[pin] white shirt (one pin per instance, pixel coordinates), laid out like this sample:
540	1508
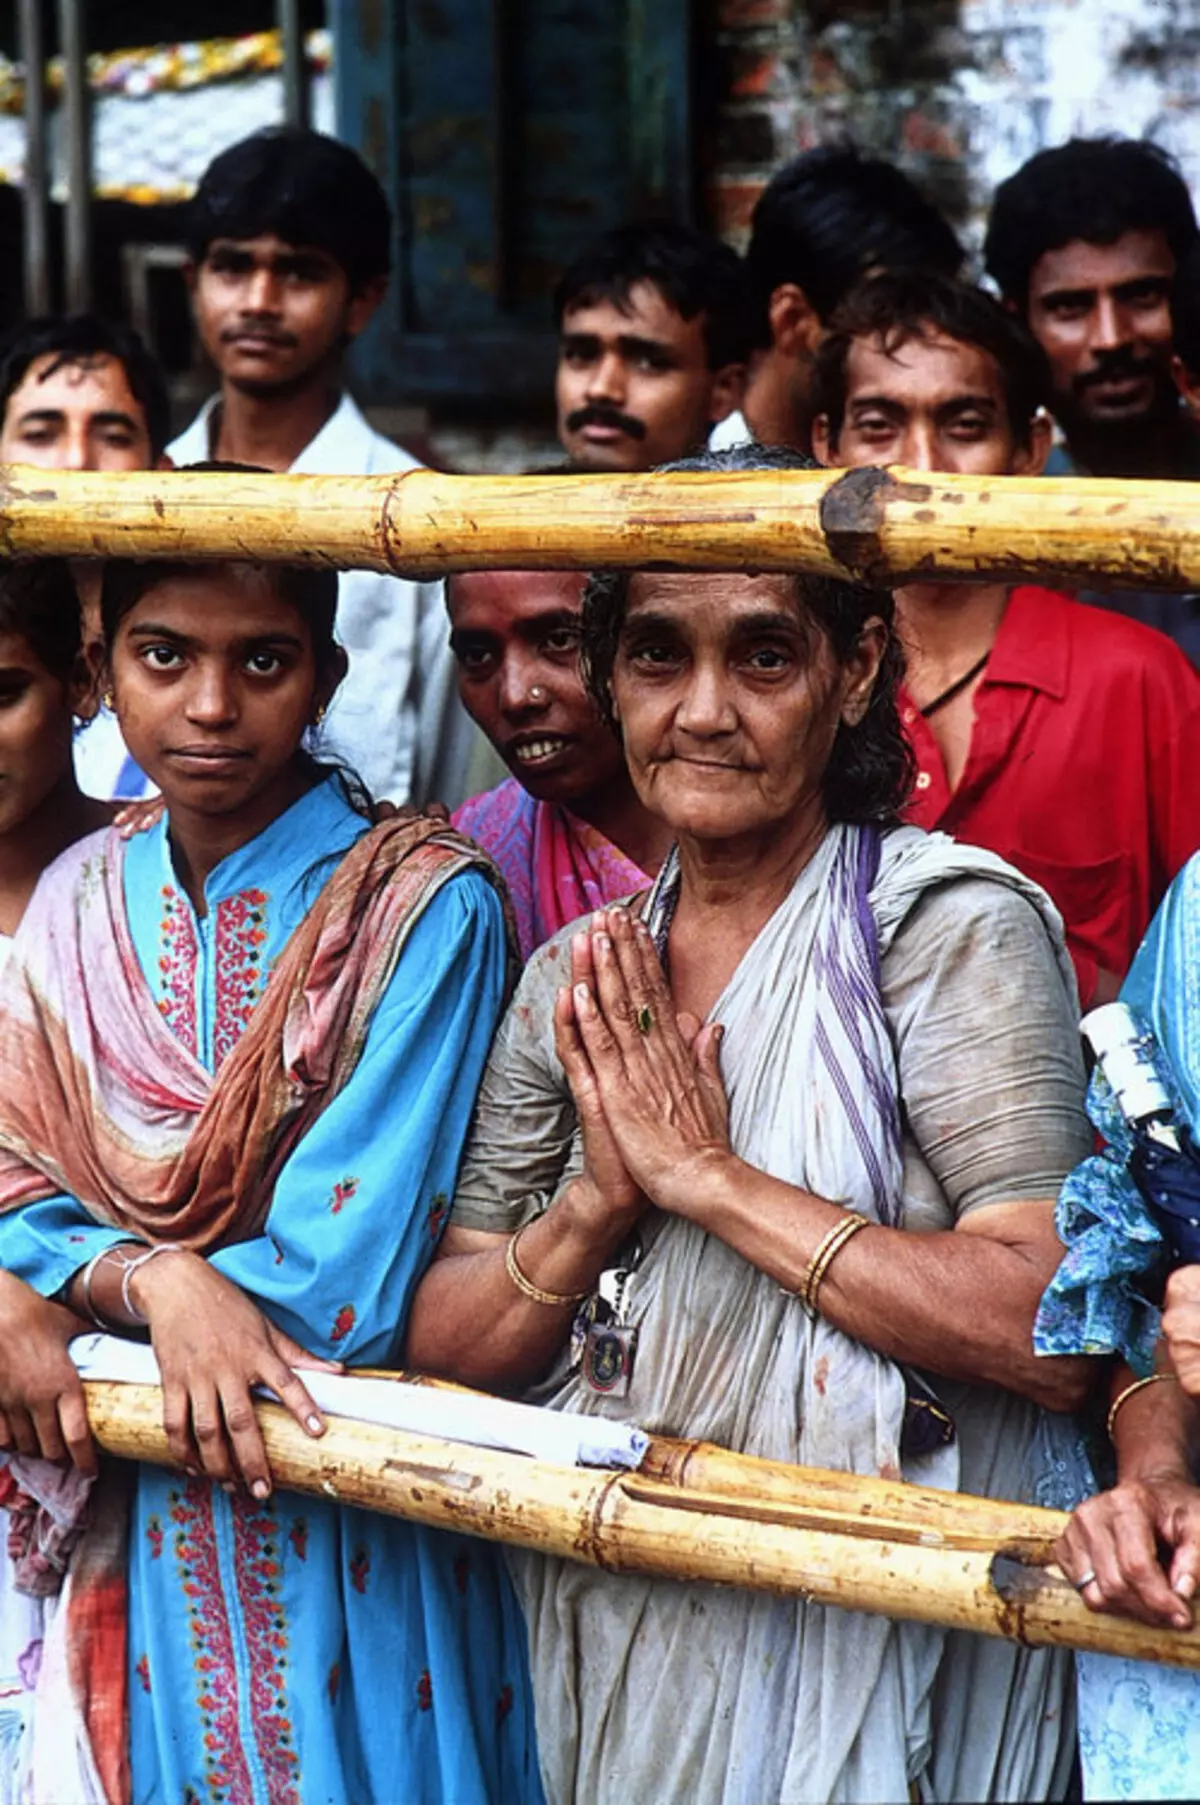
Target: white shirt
103	766
730	432
396	720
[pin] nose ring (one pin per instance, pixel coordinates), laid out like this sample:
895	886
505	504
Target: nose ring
536	693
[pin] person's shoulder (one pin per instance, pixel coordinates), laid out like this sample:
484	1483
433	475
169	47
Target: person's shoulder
191	445
488	806
1111	642
374	452
936	898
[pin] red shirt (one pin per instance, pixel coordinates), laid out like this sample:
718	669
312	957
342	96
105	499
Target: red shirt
1083	768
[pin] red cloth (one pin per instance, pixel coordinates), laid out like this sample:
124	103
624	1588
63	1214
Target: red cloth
1083	771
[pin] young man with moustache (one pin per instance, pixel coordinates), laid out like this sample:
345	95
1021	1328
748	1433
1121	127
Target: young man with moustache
1084	243
82	393
290	240
823	222
1063	737
651	353
566	829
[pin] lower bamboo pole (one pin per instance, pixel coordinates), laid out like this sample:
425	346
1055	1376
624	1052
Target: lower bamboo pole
637	1523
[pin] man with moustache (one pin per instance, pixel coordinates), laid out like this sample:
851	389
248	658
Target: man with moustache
1060	736
651	346
290	242
82	393
1084	243
566	829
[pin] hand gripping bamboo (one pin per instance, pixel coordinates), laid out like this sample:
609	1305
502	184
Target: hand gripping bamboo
700	1513
886	527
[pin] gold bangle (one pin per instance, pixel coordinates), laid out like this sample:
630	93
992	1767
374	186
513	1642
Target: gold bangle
830	1246
1123	1397
526	1287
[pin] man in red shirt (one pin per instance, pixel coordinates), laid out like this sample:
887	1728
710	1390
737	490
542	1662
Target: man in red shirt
1064	737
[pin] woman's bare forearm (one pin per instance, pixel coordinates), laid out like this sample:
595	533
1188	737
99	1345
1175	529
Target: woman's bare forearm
470	1322
959	1303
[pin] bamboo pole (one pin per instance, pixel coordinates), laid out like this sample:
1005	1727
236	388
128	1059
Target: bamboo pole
883	526
631	1523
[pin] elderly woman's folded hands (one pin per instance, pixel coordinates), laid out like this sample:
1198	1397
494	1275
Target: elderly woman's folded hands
646	1082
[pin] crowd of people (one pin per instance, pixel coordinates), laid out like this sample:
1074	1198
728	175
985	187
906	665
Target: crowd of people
714	1067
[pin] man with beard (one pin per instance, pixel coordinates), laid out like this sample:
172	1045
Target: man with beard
651	352
289	235
1084	242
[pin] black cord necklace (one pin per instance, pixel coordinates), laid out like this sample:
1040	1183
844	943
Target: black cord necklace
957	687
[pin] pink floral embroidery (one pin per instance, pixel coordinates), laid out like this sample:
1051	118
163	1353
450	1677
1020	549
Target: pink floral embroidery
256	1557
154	1535
425	1691
142	1669
240	936
343	1191
343	1322
360	1569
177	968
226	1775
298	1537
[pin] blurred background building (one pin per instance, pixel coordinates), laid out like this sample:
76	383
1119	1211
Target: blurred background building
508	131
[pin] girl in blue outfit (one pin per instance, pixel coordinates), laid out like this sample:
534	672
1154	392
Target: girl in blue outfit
243	1200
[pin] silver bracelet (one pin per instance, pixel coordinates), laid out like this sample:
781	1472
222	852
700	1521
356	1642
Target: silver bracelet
134	1265
85	1286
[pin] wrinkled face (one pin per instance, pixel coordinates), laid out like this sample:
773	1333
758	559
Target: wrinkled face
36	724
1102	314
932	403
729	702
271	314
515	638
215	682
79	415
633	388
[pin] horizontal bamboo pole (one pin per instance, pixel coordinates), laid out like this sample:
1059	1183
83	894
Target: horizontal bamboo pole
634	1523
885	526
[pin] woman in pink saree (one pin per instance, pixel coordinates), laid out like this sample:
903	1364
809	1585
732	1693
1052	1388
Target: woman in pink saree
566	829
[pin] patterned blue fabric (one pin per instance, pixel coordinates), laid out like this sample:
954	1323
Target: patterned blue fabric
1095	1303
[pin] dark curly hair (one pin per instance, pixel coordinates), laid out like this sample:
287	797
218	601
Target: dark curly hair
870	770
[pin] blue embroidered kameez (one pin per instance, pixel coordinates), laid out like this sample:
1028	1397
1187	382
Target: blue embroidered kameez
301	1652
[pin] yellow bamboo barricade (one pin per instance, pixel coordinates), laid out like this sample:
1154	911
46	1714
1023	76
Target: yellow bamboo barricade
700	1513
692	1512
888	527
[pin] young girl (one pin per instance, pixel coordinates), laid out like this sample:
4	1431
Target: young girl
251	1037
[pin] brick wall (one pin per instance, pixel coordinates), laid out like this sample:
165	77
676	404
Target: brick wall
959	92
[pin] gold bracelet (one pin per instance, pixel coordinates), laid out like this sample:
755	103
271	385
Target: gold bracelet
831	1245
526	1287
1123	1397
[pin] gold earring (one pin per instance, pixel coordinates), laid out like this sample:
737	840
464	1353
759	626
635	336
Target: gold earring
109	699
320	714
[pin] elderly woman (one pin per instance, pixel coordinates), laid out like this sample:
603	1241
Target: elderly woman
814	1228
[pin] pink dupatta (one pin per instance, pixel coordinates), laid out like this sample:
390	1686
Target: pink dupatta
556	866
